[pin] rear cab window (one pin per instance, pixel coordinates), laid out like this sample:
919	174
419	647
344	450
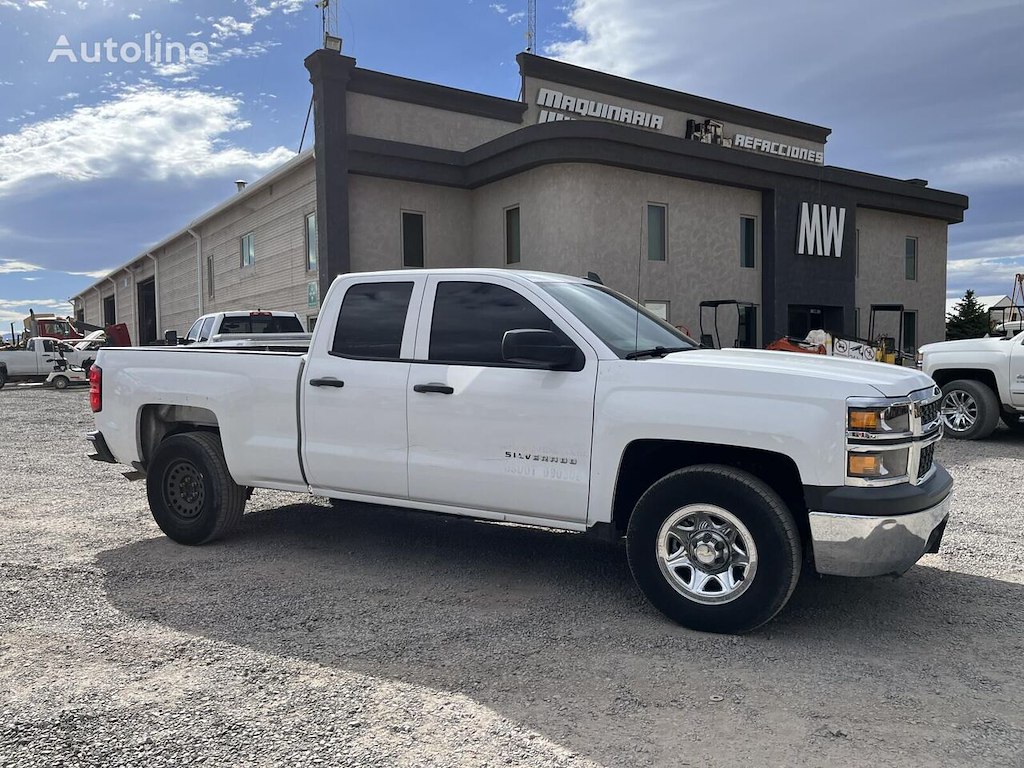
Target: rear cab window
260	322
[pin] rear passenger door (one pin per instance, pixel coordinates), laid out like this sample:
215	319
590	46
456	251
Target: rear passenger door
485	434
353	392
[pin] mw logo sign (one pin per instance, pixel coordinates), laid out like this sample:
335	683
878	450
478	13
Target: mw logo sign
821	230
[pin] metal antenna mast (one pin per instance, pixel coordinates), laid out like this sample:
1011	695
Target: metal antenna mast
531	26
329	17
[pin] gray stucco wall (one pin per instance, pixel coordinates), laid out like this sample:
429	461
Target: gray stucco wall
579	218
415	124
375	221
881	276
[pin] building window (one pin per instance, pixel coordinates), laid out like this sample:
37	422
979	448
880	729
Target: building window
748	242
856	322
209	276
911	258
512	242
746	331
657	308
248	249
310	323
311	242
910	332
657	235
412	239
80	315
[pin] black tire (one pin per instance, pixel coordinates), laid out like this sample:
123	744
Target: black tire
60	382
767	521
1013	421
970	410
191	494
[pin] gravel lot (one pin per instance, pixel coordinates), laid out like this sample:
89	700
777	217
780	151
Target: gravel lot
374	637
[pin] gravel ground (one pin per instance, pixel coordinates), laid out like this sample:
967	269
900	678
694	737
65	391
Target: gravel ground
376	637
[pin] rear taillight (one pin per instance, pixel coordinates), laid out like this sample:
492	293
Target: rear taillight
96	389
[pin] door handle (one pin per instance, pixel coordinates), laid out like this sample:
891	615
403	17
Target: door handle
328	382
441	389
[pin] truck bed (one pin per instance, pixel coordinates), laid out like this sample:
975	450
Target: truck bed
251	395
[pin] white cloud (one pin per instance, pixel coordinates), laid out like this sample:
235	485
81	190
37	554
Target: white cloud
134	16
145	132
31	279
95	275
16	310
10	266
69	95
499	8
258	10
227	27
515	18
17	5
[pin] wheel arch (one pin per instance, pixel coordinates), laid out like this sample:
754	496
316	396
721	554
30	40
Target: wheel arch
981	375
646	461
157	422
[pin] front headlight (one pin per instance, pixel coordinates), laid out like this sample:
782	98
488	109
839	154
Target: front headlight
884	421
878	465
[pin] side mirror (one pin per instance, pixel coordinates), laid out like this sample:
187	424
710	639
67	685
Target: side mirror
171	338
536	347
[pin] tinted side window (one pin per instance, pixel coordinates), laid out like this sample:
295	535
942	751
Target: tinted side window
372	321
193	332
470	320
204	334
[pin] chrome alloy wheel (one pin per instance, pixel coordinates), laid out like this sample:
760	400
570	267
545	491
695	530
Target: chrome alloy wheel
184	491
706	554
959	410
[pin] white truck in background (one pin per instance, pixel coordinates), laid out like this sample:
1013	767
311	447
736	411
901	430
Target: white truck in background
982	381
33	363
554	401
237	324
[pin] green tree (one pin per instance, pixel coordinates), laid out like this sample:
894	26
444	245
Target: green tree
968	320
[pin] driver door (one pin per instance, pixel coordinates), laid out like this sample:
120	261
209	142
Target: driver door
486	434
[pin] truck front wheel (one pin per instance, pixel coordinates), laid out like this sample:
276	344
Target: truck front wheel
191	494
970	410
714	549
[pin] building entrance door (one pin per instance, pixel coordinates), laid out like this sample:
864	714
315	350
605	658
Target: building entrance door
804	318
147	311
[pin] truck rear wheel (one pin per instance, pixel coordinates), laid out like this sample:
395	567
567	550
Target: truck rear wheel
714	549
191	494
970	410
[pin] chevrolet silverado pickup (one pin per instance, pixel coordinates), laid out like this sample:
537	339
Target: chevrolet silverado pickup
982	382
553	401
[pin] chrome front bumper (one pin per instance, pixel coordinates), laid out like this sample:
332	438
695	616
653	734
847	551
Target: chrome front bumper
857	545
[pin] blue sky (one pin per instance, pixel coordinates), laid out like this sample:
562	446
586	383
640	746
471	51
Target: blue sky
100	160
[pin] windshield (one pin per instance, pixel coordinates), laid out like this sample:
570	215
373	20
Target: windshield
616	320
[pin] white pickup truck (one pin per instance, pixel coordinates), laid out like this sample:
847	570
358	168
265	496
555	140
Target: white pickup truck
982	381
33	363
554	401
